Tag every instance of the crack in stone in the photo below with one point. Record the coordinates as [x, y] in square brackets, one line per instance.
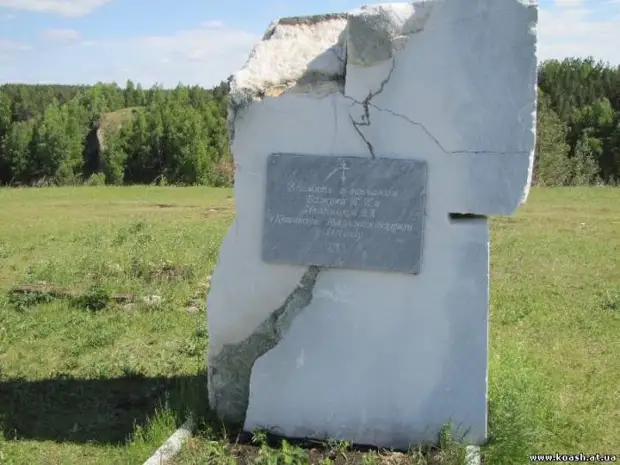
[436, 141]
[366, 122]
[231, 369]
[365, 104]
[356, 125]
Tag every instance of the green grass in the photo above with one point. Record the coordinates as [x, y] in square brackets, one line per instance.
[80, 384]
[74, 384]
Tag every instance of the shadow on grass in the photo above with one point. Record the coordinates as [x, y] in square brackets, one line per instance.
[99, 411]
[110, 411]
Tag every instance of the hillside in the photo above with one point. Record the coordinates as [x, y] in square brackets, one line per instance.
[111, 122]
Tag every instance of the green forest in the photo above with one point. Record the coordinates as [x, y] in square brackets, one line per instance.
[106, 134]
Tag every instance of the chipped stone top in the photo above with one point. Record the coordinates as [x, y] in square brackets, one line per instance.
[292, 49]
[315, 48]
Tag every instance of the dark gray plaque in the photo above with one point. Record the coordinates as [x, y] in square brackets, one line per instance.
[346, 212]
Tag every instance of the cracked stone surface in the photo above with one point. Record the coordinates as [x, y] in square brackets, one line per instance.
[230, 370]
[375, 357]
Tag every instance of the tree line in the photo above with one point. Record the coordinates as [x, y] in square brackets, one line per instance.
[66, 135]
[578, 130]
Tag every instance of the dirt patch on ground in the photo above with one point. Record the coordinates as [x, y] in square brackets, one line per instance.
[244, 449]
[161, 271]
[164, 205]
[51, 292]
[213, 212]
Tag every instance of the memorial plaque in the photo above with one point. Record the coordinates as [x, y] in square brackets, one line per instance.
[345, 212]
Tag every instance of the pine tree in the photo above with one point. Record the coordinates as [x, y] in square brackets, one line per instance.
[552, 166]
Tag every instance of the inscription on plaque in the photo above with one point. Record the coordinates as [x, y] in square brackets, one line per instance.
[345, 212]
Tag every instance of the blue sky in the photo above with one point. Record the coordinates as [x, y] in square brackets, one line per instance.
[203, 41]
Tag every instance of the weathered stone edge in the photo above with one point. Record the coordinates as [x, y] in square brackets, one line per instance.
[312, 19]
[302, 20]
[230, 370]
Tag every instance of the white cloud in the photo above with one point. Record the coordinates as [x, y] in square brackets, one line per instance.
[8, 17]
[203, 55]
[213, 24]
[62, 35]
[11, 46]
[9, 49]
[568, 3]
[576, 32]
[70, 8]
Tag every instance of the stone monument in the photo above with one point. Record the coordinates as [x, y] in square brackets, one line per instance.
[350, 299]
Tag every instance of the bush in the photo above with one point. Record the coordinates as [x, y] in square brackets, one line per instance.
[96, 179]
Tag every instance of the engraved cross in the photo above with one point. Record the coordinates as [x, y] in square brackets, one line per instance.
[343, 169]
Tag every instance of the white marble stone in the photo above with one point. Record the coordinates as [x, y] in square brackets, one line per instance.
[377, 358]
[290, 51]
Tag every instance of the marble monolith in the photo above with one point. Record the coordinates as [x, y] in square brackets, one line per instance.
[350, 299]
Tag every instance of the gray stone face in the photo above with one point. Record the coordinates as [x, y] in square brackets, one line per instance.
[345, 212]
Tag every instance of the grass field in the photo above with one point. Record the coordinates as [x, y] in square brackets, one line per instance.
[82, 384]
